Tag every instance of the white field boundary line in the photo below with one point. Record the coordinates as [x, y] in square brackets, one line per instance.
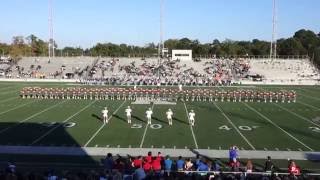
[191, 128]
[66, 120]
[309, 105]
[5, 100]
[234, 126]
[145, 130]
[103, 125]
[274, 124]
[17, 107]
[299, 116]
[32, 116]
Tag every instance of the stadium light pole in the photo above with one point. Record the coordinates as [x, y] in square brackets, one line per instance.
[51, 38]
[273, 43]
[161, 45]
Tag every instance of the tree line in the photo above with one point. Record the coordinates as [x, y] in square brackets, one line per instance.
[303, 42]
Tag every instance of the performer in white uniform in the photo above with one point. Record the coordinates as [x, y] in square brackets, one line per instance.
[128, 113]
[105, 115]
[149, 114]
[191, 117]
[169, 114]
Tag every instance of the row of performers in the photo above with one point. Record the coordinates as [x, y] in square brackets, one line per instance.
[158, 94]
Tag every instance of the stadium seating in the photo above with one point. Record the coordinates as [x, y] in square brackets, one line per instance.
[123, 71]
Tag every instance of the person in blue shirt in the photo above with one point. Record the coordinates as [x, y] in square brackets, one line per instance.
[180, 164]
[139, 174]
[233, 154]
[167, 165]
[203, 166]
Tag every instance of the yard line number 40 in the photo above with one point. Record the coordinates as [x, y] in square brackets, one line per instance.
[243, 128]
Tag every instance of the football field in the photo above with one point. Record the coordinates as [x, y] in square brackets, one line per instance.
[219, 125]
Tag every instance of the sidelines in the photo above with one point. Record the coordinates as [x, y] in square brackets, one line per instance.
[34, 115]
[274, 124]
[66, 120]
[145, 131]
[299, 116]
[16, 107]
[193, 135]
[104, 124]
[234, 126]
[102, 151]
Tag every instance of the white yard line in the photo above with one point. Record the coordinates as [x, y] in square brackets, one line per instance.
[16, 107]
[274, 124]
[309, 105]
[102, 126]
[145, 130]
[5, 100]
[66, 120]
[234, 126]
[191, 128]
[32, 116]
[299, 116]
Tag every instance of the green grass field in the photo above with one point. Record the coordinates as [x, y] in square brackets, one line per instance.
[250, 126]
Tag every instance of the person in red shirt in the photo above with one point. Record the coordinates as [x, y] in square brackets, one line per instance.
[149, 157]
[137, 162]
[159, 157]
[293, 168]
[156, 164]
[147, 166]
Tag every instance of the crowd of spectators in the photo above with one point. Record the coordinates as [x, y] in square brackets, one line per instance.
[214, 72]
[165, 167]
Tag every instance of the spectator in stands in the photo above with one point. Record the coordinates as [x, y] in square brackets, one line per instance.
[293, 168]
[137, 162]
[188, 165]
[233, 154]
[203, 166]
[216, 165]
[167, 165]
[51, 175]
[269, 166]
[149, 157]
[156, 166]
[108, 163]
[11, 168]
[147, 165]
[197, 161]
[249, 166]
[139, 174]
[180, 164]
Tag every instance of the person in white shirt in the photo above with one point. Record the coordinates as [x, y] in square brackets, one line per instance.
[180, 87]
[149, 114]
[169, 114]
[128, 113]
[191, 117]
[105, 115]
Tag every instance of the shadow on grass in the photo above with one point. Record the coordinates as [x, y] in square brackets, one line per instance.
[97, 117]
